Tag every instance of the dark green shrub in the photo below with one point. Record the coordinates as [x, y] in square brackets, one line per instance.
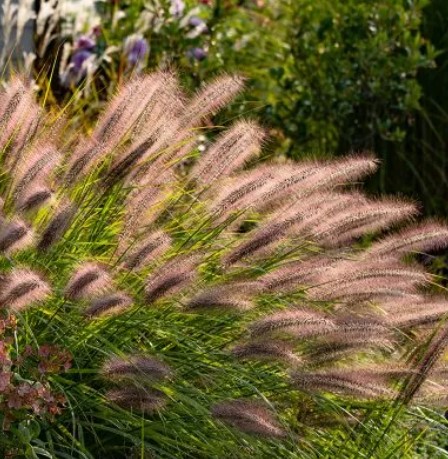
[349, 77]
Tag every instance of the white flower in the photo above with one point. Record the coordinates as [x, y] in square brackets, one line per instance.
[177, 8]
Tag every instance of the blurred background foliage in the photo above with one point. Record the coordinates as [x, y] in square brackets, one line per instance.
[325, 77]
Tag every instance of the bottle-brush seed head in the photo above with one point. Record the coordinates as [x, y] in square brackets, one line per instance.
[167, 230]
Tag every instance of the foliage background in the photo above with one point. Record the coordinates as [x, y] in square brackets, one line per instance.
[326, 77]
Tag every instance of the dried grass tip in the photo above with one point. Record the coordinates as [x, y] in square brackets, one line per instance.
[135, 366]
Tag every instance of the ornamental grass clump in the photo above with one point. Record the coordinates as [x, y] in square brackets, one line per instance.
[202, 293]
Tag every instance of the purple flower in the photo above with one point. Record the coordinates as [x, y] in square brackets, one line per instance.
[77, 67]
[198, 27]
[195, 21]
[79, 58]
[197, 53]
[85, 42]
[177, 8]
[135, 49]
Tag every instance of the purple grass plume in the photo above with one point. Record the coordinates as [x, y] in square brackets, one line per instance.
[88, 281]
[22, 288]
[138, 399]
[110, 304]
[248, 416]
[150, 213]
[135, 366]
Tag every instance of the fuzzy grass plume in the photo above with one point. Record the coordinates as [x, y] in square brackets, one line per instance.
[168, 273]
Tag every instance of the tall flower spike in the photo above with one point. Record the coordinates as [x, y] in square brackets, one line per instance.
[33, 198]
[350, 224]
[113, 303]
[289, 219]
[366, 288]
[250, 417]
[87, 281]
[58, 225]
[35, 169]
[348, 343]
[400, 305]
[166, 103]
[167, 140]
[421, 238]
[347, 323]
[288, 277]
[364, 280]
[16, 113]
[22, 288]
[212, 98]
[347, 270]
[135, 366]
[171, 277]
[24, 136]
[287, 179]
[432, 395]
[349, 327]
[10, 100]
[229, 152]
[125, 108]
[171, 147]
[122, 113]
[15, 235]
[339, 326]
[139, 399]
[160, 127]
[121, 168]
[231, 194]
[227, 296]
[143, 205]
[148, 250]
[342, 171]
[279, 187]
[316, 177]
[267, 350]
[306, 319]
[349, 383]
[419, 314]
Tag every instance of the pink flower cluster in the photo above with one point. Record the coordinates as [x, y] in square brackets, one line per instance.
[25, 389]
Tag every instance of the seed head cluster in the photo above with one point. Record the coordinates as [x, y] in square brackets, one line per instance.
[211, 233]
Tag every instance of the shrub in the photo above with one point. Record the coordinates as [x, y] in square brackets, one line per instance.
[349, 74]
[165, 267]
